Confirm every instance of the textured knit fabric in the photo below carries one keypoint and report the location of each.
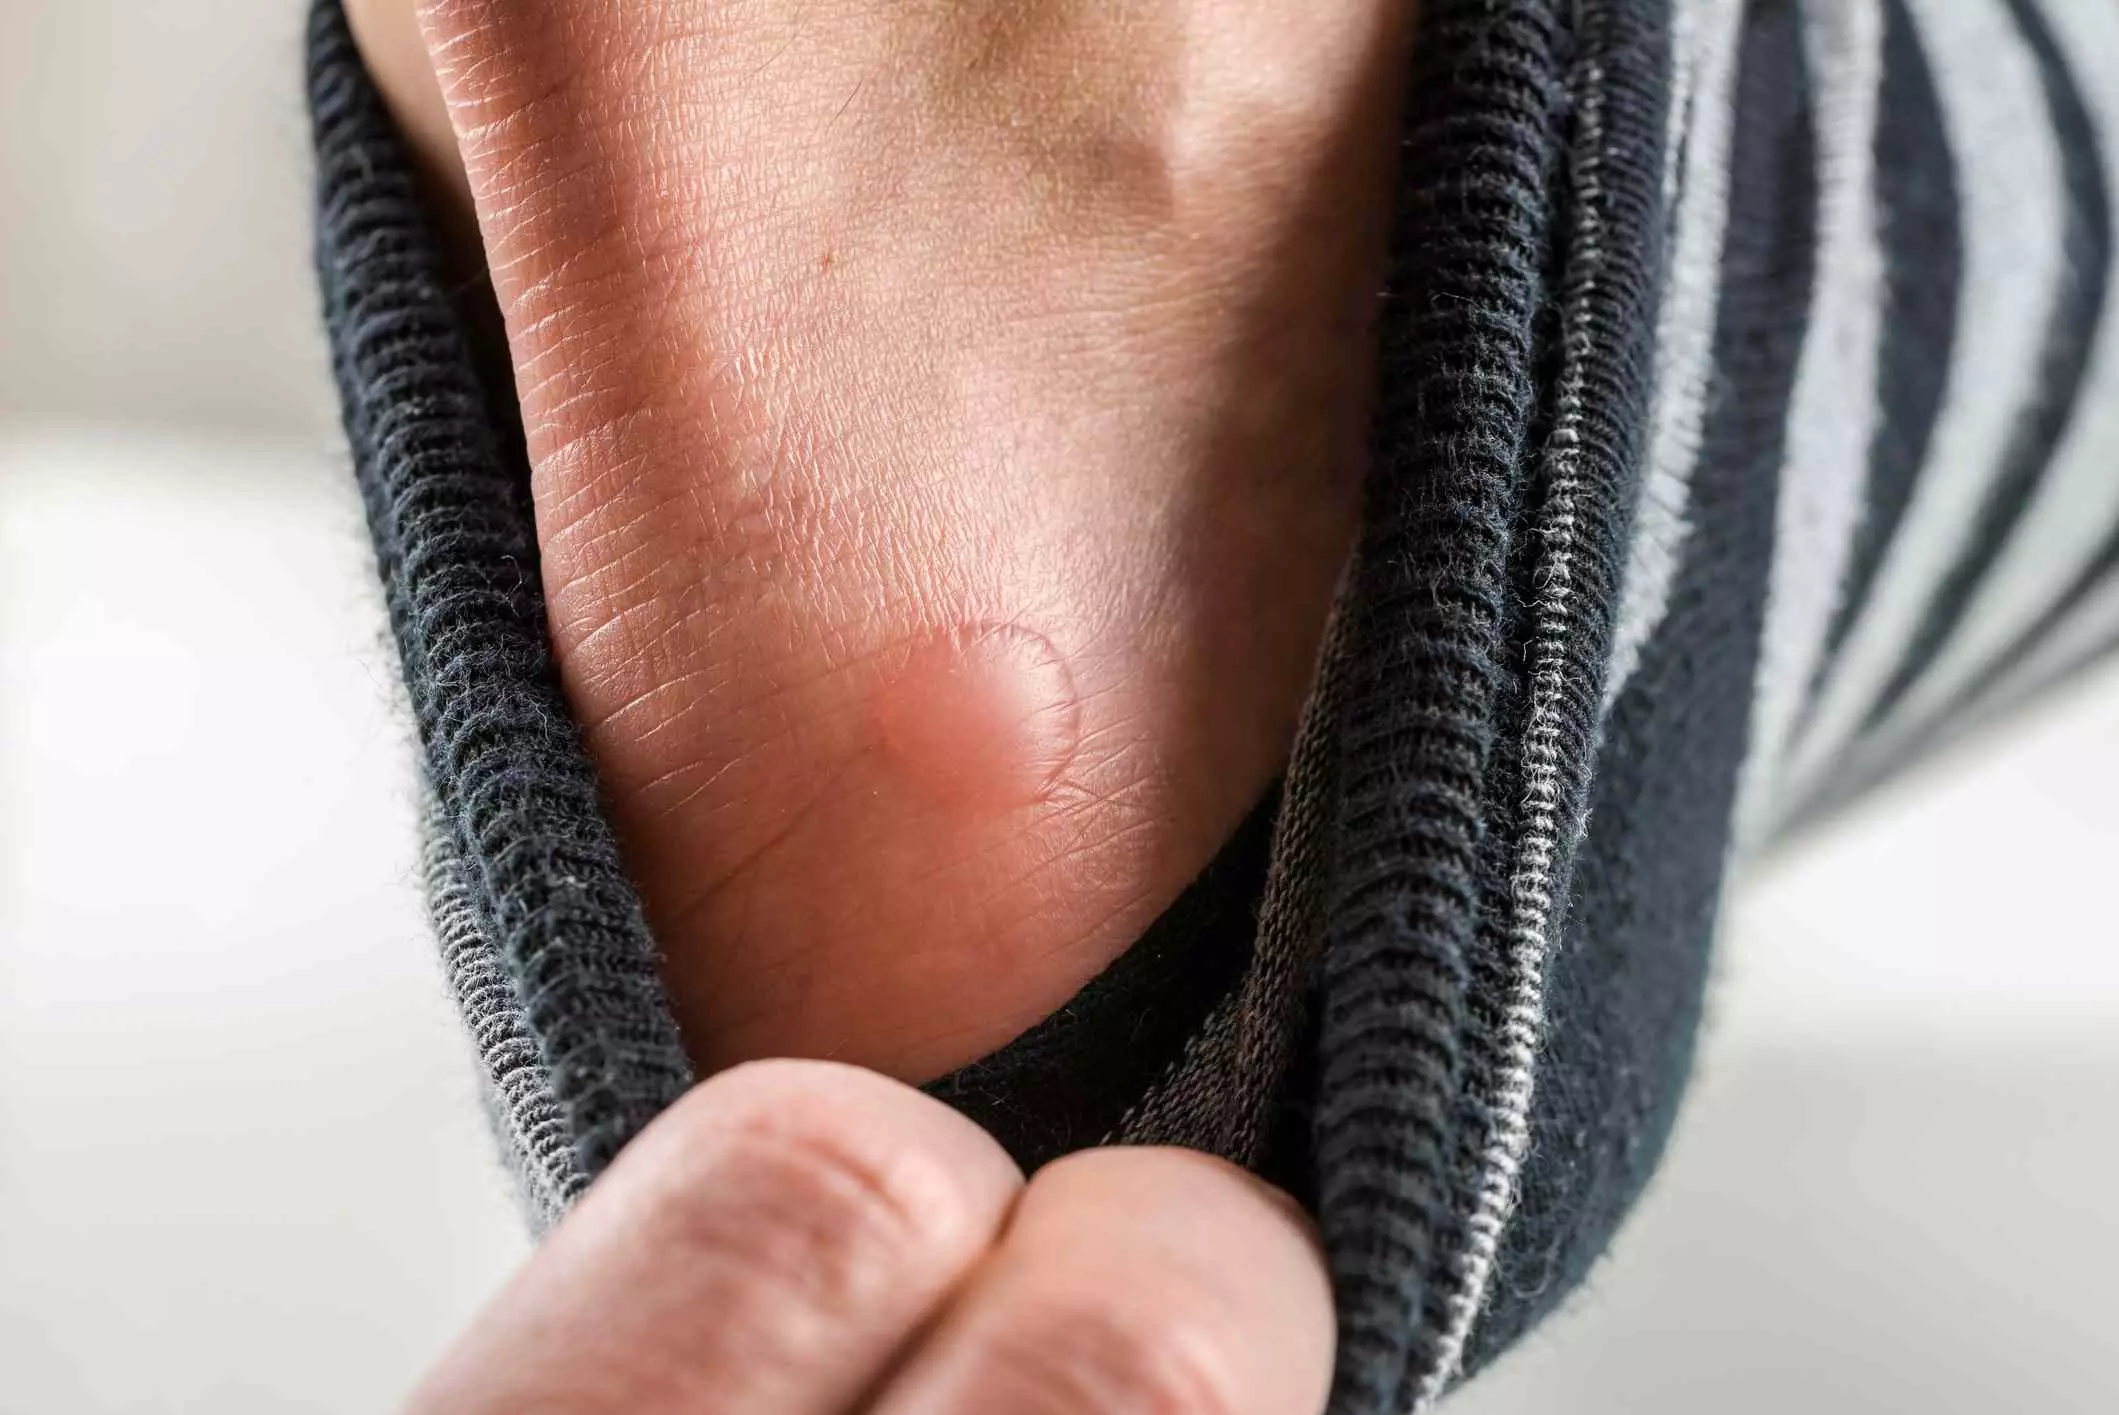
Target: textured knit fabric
(1748, 424)
(536, 870)
(1623, 993)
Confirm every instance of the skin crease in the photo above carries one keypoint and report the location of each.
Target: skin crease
(861, 1247)
(946, 424)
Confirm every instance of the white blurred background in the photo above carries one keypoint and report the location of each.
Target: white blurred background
(241, 1166)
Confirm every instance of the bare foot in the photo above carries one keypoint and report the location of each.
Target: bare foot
(946, 420)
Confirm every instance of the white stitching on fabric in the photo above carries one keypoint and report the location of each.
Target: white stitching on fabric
(1707, 42)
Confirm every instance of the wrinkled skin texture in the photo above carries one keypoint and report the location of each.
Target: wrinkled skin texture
(946, 421)
(802, 1238)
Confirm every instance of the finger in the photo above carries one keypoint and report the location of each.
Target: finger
(1135, 1282)
(767, 1246)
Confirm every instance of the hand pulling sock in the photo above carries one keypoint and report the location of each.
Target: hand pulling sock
(1747, 426)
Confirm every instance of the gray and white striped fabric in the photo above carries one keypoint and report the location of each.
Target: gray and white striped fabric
(1748, 424)
(1885, 370)
(1911, 593)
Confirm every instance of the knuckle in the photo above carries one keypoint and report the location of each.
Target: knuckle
(803, 1198)
(1087, 1354)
